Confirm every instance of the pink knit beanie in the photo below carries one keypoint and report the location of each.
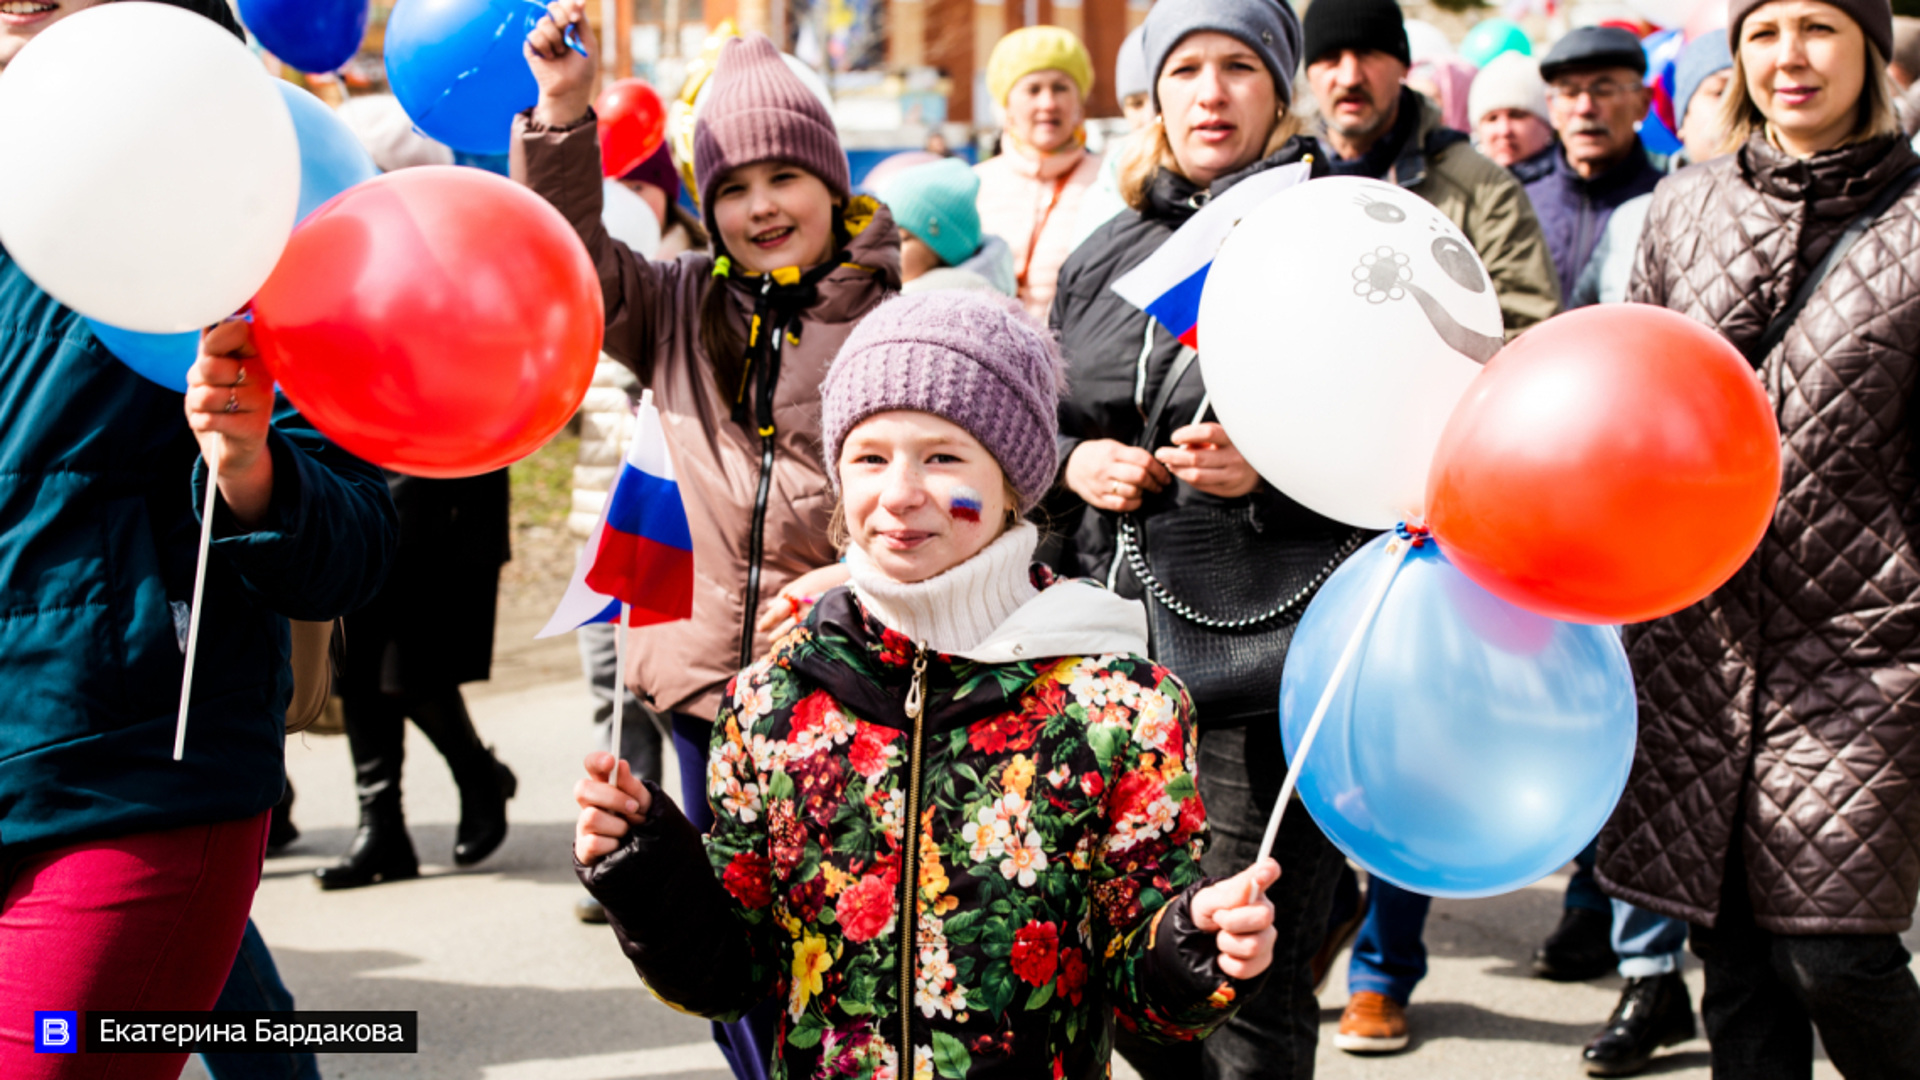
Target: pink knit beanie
(977, 360)
(757, 110)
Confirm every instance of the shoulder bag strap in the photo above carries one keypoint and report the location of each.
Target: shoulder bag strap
(1165, 397)
(1130, 546)
(1777, 329)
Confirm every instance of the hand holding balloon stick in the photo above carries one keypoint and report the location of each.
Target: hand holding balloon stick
(229, 406)
(560, 50)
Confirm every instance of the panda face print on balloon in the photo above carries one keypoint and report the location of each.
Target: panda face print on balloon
(1386, 274)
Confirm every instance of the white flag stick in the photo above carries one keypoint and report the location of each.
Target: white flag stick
(1398, 548)
(193, 613)
(619, 685)
(620, 628)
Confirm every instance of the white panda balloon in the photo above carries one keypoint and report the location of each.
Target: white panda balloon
(1340, 324)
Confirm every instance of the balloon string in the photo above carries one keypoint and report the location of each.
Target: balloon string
(193, 613)
(1409, 537)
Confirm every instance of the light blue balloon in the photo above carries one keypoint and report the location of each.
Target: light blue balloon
(161, 358)
(331, 157)
(1473, 747)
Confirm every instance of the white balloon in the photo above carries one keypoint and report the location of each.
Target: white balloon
(629, 219)
(1426, 41)
(1341, 323)
(151, 172)
(1664, 13)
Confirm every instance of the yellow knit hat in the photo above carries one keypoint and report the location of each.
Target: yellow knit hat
(1037, 48)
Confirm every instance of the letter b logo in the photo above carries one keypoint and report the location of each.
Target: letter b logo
(56, 1032)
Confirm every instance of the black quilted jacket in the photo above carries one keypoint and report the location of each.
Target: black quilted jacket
(1782, 710)
(1117, 359)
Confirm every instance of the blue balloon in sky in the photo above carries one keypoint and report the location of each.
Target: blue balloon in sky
(1473, 747)
(312, 35)
(457, 68)
(331, 161)
(331, 156)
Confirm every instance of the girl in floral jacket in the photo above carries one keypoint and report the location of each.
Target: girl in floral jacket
(955, 815)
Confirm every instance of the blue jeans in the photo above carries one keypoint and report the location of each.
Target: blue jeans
(1583, 889)
(1647, 944)
(254, 986)
(746, 1043)
(1389, 955)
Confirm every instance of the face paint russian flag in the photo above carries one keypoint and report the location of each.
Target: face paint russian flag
(966, 504)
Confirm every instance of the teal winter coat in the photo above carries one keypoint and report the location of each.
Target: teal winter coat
(100, 486)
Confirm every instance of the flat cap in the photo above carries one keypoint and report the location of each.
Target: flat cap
(1593, 47)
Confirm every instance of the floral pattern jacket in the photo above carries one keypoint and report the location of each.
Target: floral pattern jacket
(1041, 893)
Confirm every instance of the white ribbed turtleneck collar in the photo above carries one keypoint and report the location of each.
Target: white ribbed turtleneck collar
(954, 611)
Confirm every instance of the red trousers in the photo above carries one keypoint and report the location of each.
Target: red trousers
(150, 921)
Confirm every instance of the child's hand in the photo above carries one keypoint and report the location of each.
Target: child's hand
(1240, 915)
(565, 77)
(608, 808)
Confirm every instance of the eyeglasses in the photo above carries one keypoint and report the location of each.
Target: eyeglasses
(1602, 91)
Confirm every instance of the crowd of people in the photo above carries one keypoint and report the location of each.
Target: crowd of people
(976, 735)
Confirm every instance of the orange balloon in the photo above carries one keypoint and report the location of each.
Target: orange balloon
(632, 126)
(437, 321)
(1613, 464)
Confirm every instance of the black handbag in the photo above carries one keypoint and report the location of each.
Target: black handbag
(1224, 590)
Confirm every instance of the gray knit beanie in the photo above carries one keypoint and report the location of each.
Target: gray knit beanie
(1268, 27)
(976, 360)
(757, 110)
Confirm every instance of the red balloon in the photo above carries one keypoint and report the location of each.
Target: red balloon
(633, 124)
(1613, 464)
(437, 321)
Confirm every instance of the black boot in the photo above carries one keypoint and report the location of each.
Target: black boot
(1580, 948)
(485, 783)
(381, 850)
(280, 830)
(483, 813)
(1654, 1011)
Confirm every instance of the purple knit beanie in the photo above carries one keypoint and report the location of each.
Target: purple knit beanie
(657, 169)
(977, 360)
(756, 110)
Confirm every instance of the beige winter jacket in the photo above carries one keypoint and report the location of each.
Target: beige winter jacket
(653, 326)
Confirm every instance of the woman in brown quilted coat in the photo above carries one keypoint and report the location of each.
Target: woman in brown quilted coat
(1775, 797)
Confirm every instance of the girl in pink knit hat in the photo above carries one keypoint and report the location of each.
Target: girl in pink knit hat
(957, 829)
(734, 342)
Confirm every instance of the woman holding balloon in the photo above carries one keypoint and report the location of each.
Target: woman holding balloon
(128, 869)
(734, 344)
(1775, 796)
(1157, 479)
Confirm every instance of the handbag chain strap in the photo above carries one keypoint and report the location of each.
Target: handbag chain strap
(1136, 561)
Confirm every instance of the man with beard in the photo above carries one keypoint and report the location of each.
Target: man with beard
(1372, 124)
(1595, 100)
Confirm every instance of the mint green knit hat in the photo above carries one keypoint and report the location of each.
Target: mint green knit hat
(937, 202)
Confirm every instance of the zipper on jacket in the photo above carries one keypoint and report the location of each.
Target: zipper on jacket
(756, 541)
(910, 862)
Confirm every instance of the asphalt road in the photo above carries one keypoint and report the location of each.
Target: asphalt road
(510, 987)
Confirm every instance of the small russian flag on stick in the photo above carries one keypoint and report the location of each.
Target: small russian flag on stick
(1167, 286)
(637, 566)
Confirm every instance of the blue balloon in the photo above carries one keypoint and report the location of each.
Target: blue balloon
(312, 35)
(331, 156)
(457, 68)
(1473, 747)
(161, 358)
